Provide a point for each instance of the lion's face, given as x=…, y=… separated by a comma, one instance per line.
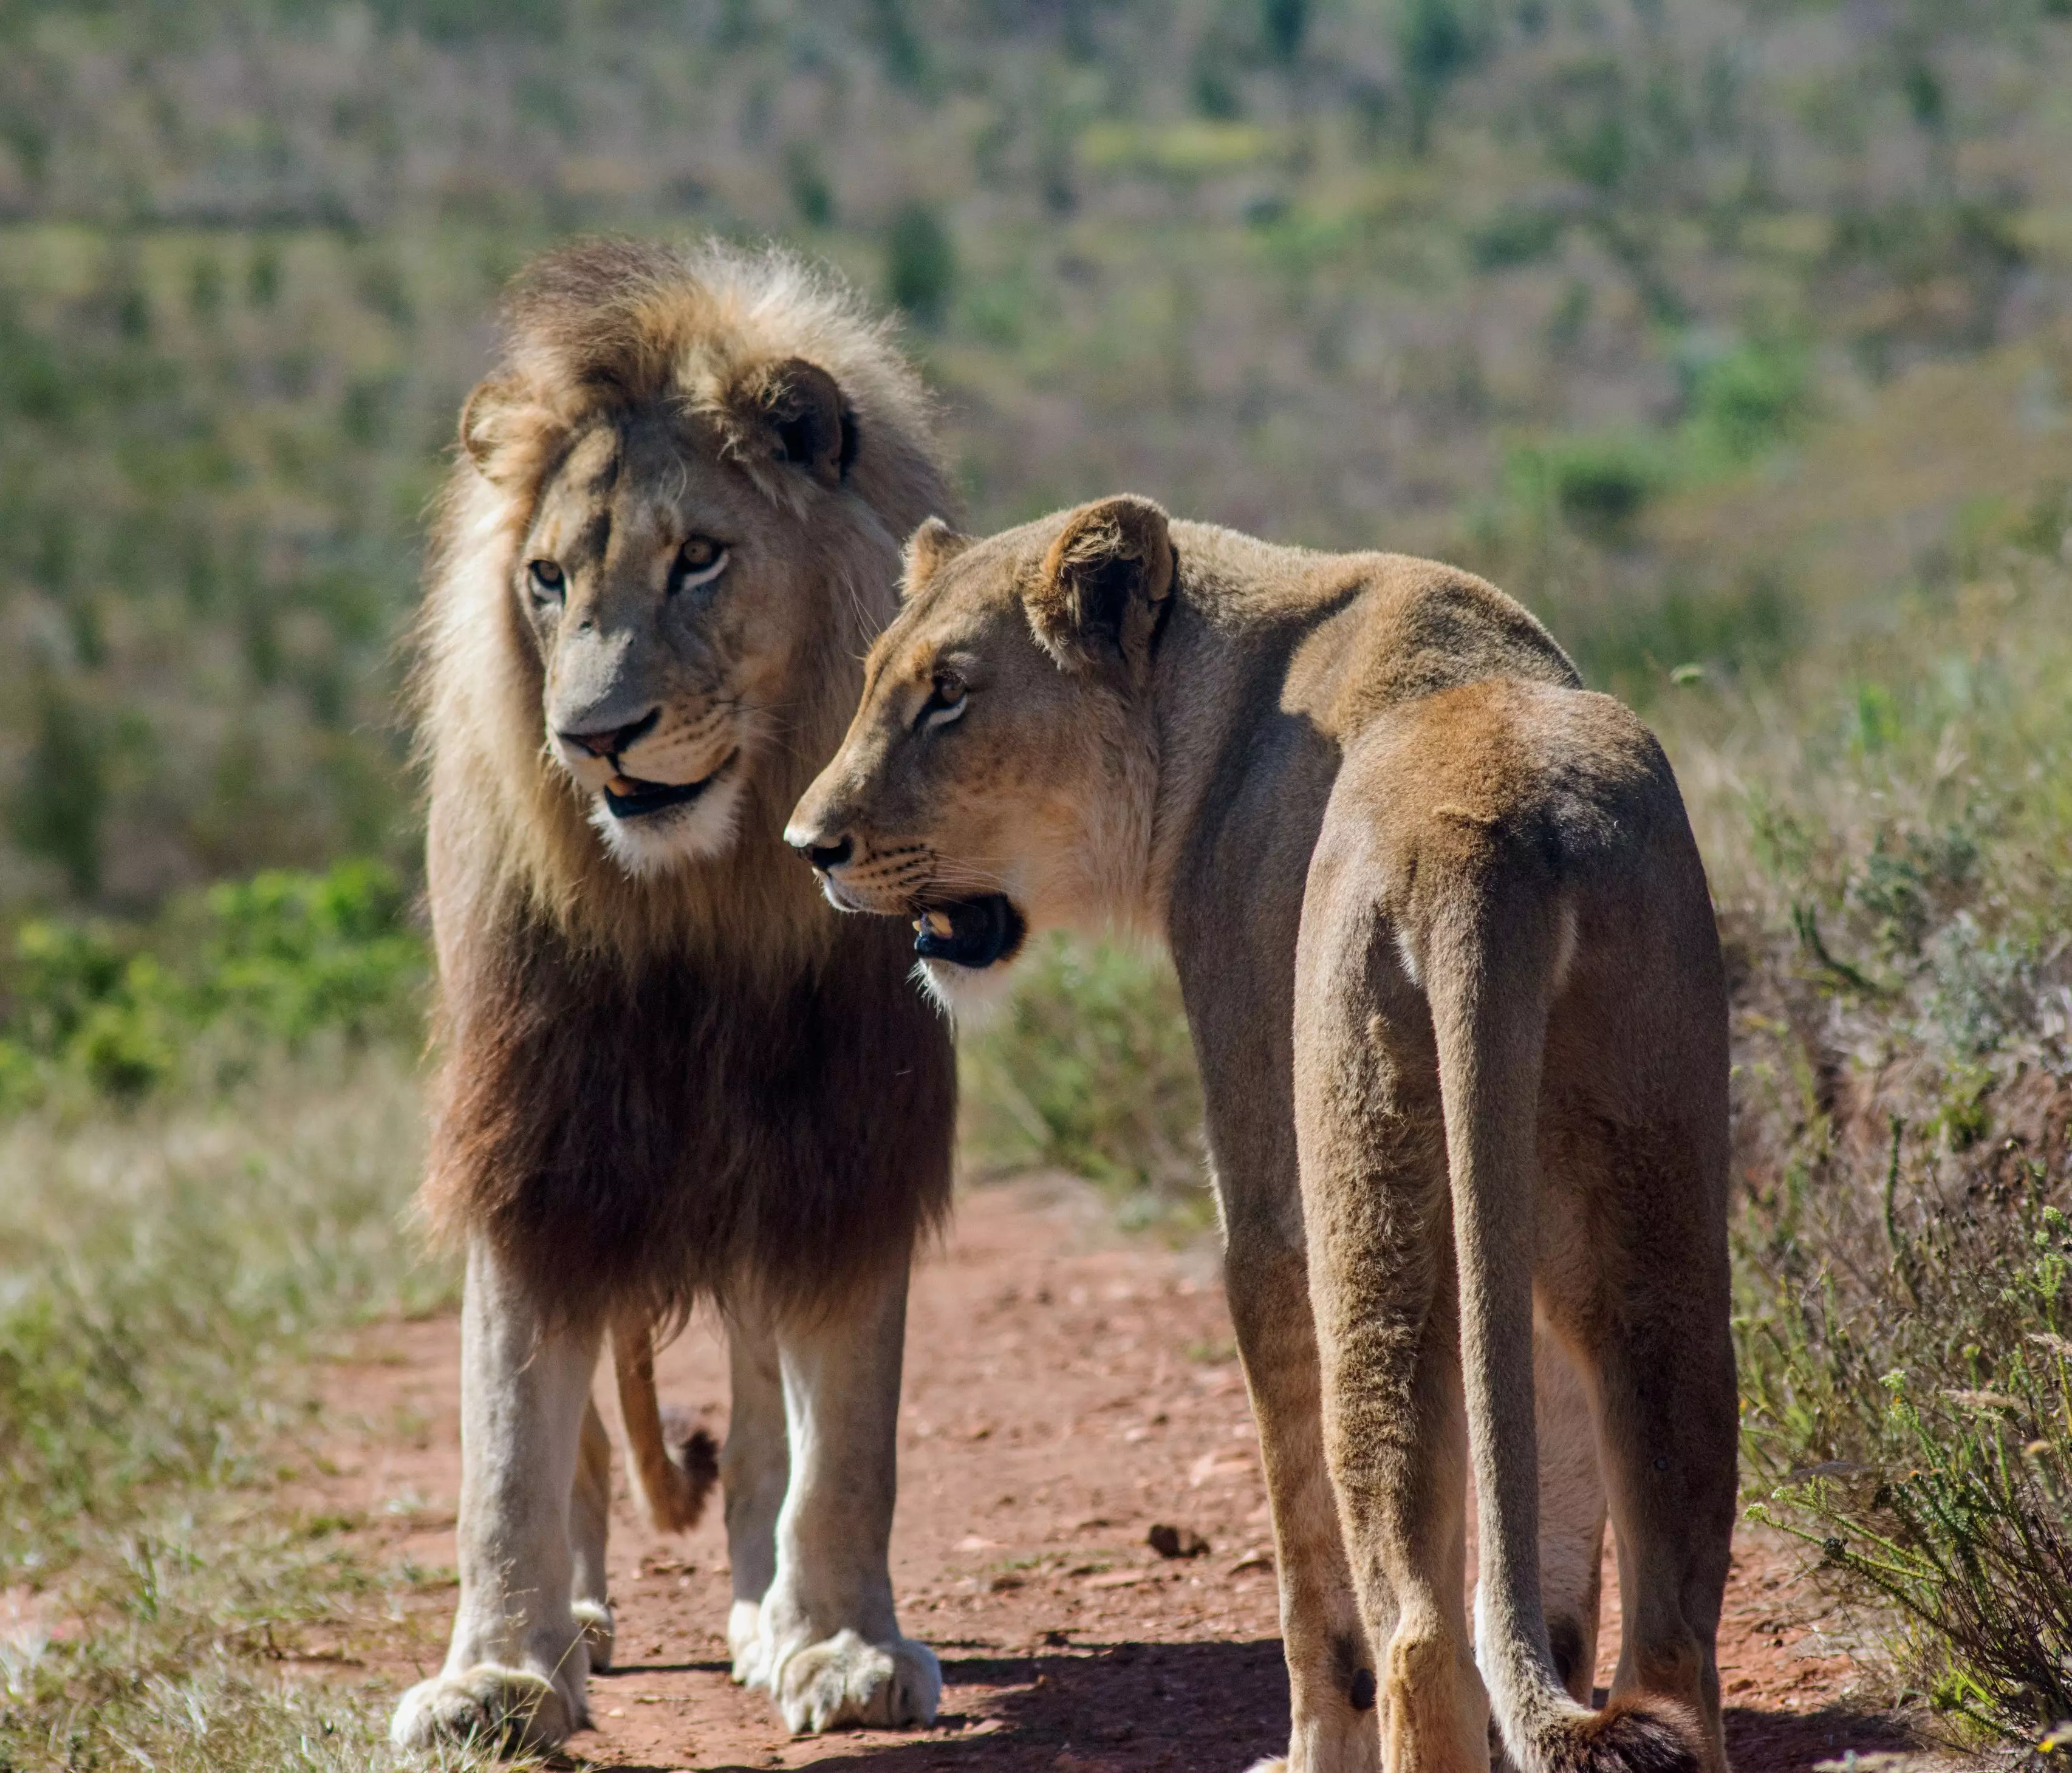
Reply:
x=666, y=592
x=997, y=778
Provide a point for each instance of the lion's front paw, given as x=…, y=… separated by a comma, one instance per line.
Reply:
x=599, y=1631
x=488, y=1704
x=847, y=1680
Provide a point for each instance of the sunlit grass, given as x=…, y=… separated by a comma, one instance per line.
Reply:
x=166, y=1270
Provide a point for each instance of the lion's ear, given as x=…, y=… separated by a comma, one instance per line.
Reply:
x=792, y=411
x=504, y=430
x=928, y=548
x=1098, y=594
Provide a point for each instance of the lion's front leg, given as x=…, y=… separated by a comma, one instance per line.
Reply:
x=828, y=1645
x=516, y=1668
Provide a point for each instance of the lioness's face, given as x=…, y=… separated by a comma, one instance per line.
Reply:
x=664, y=598
x=996, y=778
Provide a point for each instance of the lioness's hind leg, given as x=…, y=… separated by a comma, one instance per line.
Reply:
x=1572, y=1515
x=1666, y=1442
x=589, y=1527
x=1645, y=1307
x=1371, y=1145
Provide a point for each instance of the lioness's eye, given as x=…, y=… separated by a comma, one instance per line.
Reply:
x=699, y=562
x=548, y=580
x=945, y=703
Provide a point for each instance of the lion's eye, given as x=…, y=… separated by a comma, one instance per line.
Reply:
x=699, y=562
x=549, y=582
x=946, y=700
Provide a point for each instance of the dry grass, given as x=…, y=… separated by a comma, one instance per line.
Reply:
x=165, y=1272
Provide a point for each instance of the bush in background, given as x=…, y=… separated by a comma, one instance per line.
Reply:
x=219, y=980
x=1090, y=1069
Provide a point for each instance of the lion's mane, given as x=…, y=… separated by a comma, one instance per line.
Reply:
x=703, y=1082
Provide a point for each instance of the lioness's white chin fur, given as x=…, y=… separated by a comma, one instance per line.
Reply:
x=658, y=841
x=970, y=996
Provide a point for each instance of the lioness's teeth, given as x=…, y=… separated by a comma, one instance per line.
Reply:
x=938, y=922
x=621, y=784
x=920, y=923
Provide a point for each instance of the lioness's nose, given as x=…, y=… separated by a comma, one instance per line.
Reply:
x=613, y=740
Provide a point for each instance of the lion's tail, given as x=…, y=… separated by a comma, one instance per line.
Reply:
x=1494, y=969
x=674, y=1464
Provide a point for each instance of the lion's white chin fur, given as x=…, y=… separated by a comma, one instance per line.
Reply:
x=656, y=842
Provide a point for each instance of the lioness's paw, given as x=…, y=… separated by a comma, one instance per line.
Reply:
x=744, y=1639
x=845, y=1679
x=488, y=1704
x=598, y=1632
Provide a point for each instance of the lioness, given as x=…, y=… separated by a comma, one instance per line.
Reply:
x=1448, y=957
x=670, y=1073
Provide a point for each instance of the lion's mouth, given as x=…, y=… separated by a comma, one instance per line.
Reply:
x=974, y=933
x=628, y=797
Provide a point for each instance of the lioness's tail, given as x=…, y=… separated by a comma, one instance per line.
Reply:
x=1494, y=969
x=674, y=1465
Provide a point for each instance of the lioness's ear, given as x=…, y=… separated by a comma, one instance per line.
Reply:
x=793, y=411
x=1098, y=592
x=504, y=430
x=927, y=549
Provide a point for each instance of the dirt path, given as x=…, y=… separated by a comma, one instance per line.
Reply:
x=1067, y=1389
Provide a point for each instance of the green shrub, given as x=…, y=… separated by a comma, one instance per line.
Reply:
x=1744, y=402
x=1893, y=852
x=1598, y=485
x=1089, y=1068
x=218, y=982
x=920, y=263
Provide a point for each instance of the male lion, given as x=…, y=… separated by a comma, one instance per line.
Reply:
x=670, y=1073
x=1450, y=961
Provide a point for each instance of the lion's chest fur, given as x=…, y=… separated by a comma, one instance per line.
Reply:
x=686, y=1127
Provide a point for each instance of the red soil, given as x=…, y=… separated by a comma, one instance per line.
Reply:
x=1066, y=1388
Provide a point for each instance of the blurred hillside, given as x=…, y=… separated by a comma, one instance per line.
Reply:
x=1690, y=319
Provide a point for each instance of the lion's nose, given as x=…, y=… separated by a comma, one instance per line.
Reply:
x=821, y=855
x=613, y=740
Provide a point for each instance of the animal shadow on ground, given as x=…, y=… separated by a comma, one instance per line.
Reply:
x=1787, y=1742
x=1135, y=1708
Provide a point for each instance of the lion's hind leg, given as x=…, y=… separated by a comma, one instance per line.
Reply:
x=755, y=1470
x=589, y=1529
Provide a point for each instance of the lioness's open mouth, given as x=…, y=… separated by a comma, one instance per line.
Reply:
x=627, y=797
x=975, y=933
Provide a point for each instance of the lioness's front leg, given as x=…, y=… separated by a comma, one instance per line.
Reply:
x=517, y=1665
x=829, y=1645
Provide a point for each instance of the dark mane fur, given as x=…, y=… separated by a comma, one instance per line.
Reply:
x=653, y=1137
x=705, y=1081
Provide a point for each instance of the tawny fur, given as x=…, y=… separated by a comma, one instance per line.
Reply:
x=1452, y=975
x=653, y=1088
x=667, y=1072
x=675, y=1463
